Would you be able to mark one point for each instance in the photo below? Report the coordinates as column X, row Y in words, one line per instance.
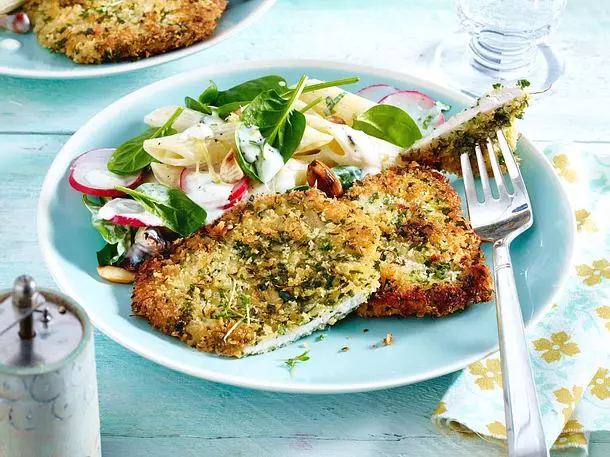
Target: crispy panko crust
column 431, row 261
column 267, row 267
column 96, row 31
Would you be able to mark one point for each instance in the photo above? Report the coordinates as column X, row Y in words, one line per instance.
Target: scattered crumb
column 374, row 346
column 321, row 337
column 345, row 349
column 349, row 337
column 366, row 330
column 61, row 309
column 305, row 345
column 387, row 341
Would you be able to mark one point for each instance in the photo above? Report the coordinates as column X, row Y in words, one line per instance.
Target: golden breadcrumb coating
column 443, row 150
column 431, row 261
column 265, row 268
column 96, row 31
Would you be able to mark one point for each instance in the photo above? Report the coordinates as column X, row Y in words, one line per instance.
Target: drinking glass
column 505, row 41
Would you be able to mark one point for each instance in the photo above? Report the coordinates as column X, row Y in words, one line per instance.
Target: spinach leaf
column 249, row 90
column 209, row 95
column 231, row 99
column 281, row 126
column 388, row 123
column 130, row 157
column 178, row 212
column 117, row 237
column 109, row 255
column 334, row 83
column 191, row 103
column 224, row 110
column 278, row 121
column 347, row 175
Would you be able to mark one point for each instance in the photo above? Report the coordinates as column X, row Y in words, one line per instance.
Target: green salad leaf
column 117, row 237
column 348, row 175
column 388, row 123
column 178, row 212
column 130, row 157
column 196, row 105
column 227, row 101
column 281, row 125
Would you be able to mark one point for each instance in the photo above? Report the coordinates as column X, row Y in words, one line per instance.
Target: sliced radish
column 240, row 189
column 425, row 112
column 376, row 92
column 124, row 211
column 89, row 174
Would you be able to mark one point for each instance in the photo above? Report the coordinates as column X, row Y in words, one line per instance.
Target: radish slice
column 240, row 189
column 376, row 92
column 89, row 174
column 124, row 211
column 425, row 112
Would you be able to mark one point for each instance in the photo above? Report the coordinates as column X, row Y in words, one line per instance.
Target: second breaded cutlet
column 96, row 31
column 268, row 272
column 431, row 262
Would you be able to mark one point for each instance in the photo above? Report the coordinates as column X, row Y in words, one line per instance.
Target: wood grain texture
column 150, row 411
column 346, row 31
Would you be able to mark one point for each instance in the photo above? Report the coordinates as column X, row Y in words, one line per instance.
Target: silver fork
column 499, row 220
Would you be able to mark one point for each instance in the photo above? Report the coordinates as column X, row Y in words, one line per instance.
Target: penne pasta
column 160, row 116
column 353, row 147
column 312, row 139
column 337, row 102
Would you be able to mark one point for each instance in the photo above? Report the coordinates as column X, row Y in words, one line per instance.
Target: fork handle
column 523, row 421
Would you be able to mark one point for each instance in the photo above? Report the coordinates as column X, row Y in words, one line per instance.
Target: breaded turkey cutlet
column 442, row 149
column 268, row 272
column 431, row 262
column 95, row 31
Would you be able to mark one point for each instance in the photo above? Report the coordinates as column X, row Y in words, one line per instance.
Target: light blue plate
column 422, row 349
column 33, row 61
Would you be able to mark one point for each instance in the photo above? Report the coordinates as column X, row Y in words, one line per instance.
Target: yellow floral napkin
column 570, row 346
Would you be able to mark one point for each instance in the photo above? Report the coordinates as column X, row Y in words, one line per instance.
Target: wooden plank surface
column 150, row 411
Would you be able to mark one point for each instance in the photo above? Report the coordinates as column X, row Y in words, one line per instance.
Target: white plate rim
column 93, row 71
column 61, row 163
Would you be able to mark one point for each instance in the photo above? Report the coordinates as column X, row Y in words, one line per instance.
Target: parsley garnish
column 523, row 83
column 497, row 86
column 331, row 102
column 321, row 337
column 299, row 358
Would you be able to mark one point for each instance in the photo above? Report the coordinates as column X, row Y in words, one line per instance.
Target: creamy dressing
column 104, row 179
column 290, row 176
column 198, row 131
column 211, row 196
column 10, row 44
column 213, row 120
column 128, row 208
column 266, row 159
column 360, row 149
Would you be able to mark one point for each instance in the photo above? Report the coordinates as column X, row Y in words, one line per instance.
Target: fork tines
column 511, row 167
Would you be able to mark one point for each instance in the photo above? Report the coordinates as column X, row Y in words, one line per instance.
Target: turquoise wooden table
column 150, row 411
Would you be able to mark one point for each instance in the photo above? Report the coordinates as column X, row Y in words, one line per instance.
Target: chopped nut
column 387, row 341
column 335, row 119
column 319, row 175
column 345, row 349
column 116, row 274
column 366, row 330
